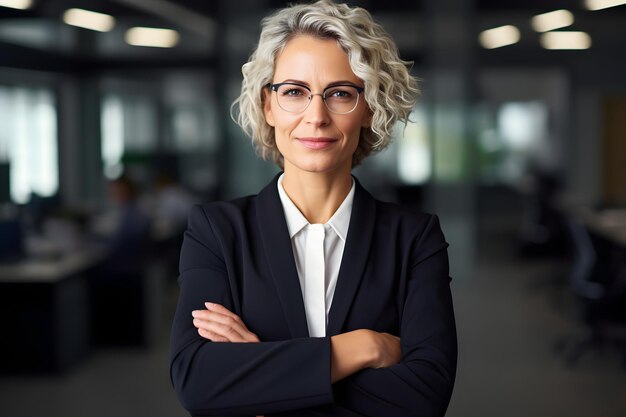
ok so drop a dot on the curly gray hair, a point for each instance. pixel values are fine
(390, 90)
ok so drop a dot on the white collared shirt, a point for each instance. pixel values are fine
(336, 232)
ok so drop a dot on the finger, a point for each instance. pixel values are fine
(222, 315)
(228, 320)
(218, 332)
(225, 327)
(218, 308)
(209, 315)
(230, 332)
(233, 331)
(213, 337)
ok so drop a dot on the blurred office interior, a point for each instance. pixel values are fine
(108, 135)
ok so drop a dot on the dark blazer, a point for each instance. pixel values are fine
(393, 278)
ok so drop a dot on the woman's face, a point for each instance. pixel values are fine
(315, 140)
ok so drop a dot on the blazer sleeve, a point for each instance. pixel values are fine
(421, 385)
(236, 378)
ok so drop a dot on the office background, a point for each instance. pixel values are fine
(518, 143)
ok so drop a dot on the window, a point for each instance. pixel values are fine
(511, 137)
(194, 127)
(128, 125)
(28, 141)
(414, 151)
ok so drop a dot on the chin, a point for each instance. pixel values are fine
(316, 163)
(320, 168)
(316, 168)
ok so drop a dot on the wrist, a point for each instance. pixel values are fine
(370, 348)
(352, 352)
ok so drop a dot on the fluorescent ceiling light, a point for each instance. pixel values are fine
(16, 4)
(179, 15)
(552, 20)
(153, 37)
(498, 37)
(566, 40)
(602, 4)
(89, 20)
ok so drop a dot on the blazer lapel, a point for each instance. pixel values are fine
(279, 253)
(354, 259)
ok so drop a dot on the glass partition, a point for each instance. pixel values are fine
(29, 141)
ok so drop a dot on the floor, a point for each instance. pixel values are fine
(508, 327)
(112, 381)
(509, 315)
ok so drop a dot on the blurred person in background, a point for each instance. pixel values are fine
(117, 295)
(312, 297)
(171, 206)
(172, 202)
(132, 225)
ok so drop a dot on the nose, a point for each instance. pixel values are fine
(317, 113)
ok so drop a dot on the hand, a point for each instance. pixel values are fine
(360, 349)
(387, 350)
(218, 324)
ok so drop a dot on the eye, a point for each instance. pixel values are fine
(293, 91)
(340, 93)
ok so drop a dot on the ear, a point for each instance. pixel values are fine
(267, 106)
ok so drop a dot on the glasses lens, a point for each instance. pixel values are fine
(292, 97)
(341, 99)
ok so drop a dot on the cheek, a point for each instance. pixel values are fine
(282, 133)
(353, 132)
(285, 124)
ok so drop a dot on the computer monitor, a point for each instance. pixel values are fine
(11, 245)
(5, 182)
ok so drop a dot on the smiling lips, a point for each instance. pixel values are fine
(317, 143)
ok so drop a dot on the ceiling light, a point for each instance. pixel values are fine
(153, 37)
(89, 20)
(498, 37)
(16, 4)
(602, 4)
(566, 40)
(552, 20)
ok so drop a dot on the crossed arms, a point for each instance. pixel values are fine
(220, 367)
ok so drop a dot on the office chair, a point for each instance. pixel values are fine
(601, 301)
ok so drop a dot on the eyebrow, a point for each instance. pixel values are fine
(332, 84)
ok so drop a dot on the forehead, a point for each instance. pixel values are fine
(313, 60)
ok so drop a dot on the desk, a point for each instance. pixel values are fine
(609, 224)
(608, 232)
(44, 311)
(51, 270)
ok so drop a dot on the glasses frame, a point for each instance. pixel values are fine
(275, 87)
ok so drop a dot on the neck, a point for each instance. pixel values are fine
(317, 195)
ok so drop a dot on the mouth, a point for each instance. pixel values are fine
(317, 142)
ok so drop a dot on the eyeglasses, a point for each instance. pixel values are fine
(295, 98)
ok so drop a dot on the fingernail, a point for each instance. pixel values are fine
(209, 305)
(194, 313)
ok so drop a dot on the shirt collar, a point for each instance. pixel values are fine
(340, 221)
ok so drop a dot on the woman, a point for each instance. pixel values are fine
(312, 298)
